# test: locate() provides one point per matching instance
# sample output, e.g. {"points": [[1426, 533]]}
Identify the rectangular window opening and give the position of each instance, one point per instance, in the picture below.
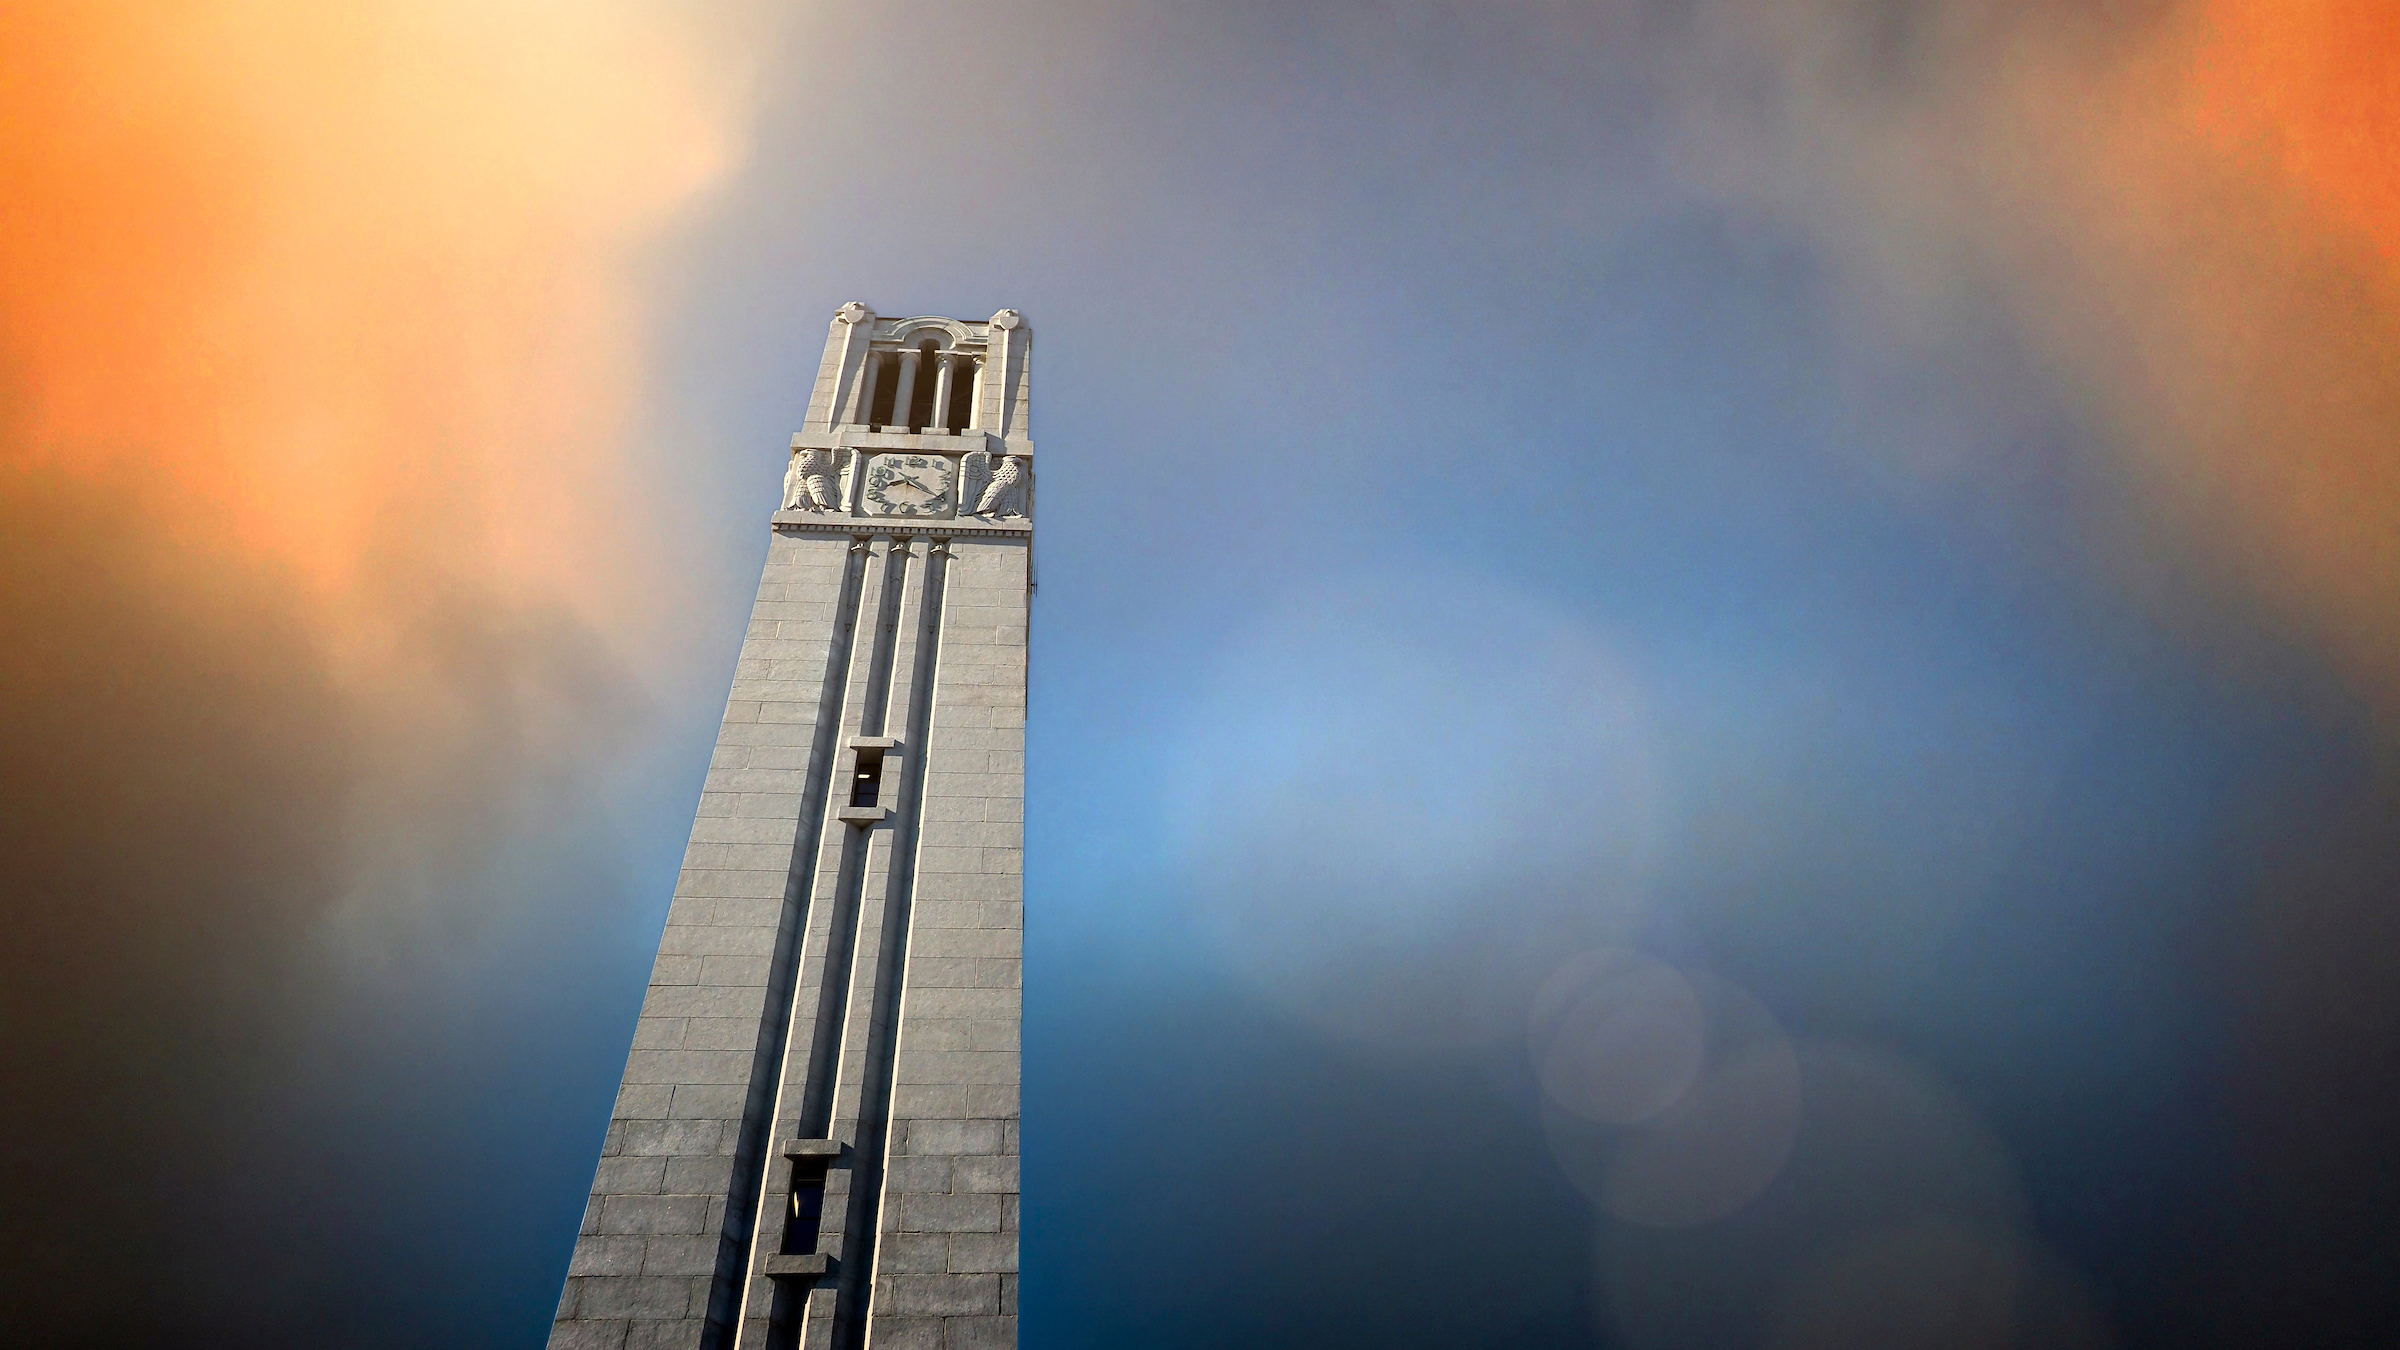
{"points": [[866, 782], [805, 1215]]}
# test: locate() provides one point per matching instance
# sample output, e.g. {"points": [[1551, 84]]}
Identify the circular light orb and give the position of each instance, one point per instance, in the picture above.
{"points": [[1619, 1037]]}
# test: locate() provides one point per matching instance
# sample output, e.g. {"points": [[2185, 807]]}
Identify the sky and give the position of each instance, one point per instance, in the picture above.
{"points": [[1708, 672]]}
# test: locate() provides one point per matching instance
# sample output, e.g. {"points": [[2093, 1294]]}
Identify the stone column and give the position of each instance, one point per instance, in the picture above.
{"points": [[863, 407], [939, 414], [904, 389]]}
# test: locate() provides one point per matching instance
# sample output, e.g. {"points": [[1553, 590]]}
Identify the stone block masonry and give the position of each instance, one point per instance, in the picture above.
{"points": [[816, 1140]]}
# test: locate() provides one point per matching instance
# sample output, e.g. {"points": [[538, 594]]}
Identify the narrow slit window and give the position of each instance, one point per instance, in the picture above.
{"points": [[866, 782], [805, 1216]]}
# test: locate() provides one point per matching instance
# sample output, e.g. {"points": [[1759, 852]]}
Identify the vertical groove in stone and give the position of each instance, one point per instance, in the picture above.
{"points": [[887, 634], [872, 1131], [831, 1023], [833, 997], [758, 1117], [819, 1025]]}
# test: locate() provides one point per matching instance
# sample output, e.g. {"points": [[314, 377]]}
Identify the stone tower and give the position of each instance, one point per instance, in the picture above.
{"points": [[816, 1140]]}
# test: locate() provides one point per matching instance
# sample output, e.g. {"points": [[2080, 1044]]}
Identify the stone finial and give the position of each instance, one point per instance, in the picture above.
{"points": [[1007, 319], [854, 312]]}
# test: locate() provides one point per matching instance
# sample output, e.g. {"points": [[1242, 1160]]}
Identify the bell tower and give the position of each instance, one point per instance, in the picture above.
{"points": [[816, 1139]]}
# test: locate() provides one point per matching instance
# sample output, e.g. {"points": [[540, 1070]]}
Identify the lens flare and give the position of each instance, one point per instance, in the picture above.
{"points": [[1712, 1102], [1879, 1143], [1617, 1037], [1934, 1285]]}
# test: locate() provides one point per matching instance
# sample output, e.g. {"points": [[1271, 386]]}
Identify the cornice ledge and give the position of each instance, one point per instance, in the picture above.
{"points": [[818, 522], [851, 436]]}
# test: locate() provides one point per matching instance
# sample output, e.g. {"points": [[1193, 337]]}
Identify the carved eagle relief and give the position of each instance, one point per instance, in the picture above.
{"points": [[993, 486], [809, 484], [1001, 496]]}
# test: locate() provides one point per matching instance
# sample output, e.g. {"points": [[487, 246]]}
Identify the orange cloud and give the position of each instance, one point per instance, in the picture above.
{"points": [[320, 344], [2193, 217], [2233, 301], [341, 276], [338, 311], [2314, 88]]}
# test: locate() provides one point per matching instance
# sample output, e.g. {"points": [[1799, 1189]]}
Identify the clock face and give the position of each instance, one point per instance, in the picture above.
{"points": [[908, 485]]}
